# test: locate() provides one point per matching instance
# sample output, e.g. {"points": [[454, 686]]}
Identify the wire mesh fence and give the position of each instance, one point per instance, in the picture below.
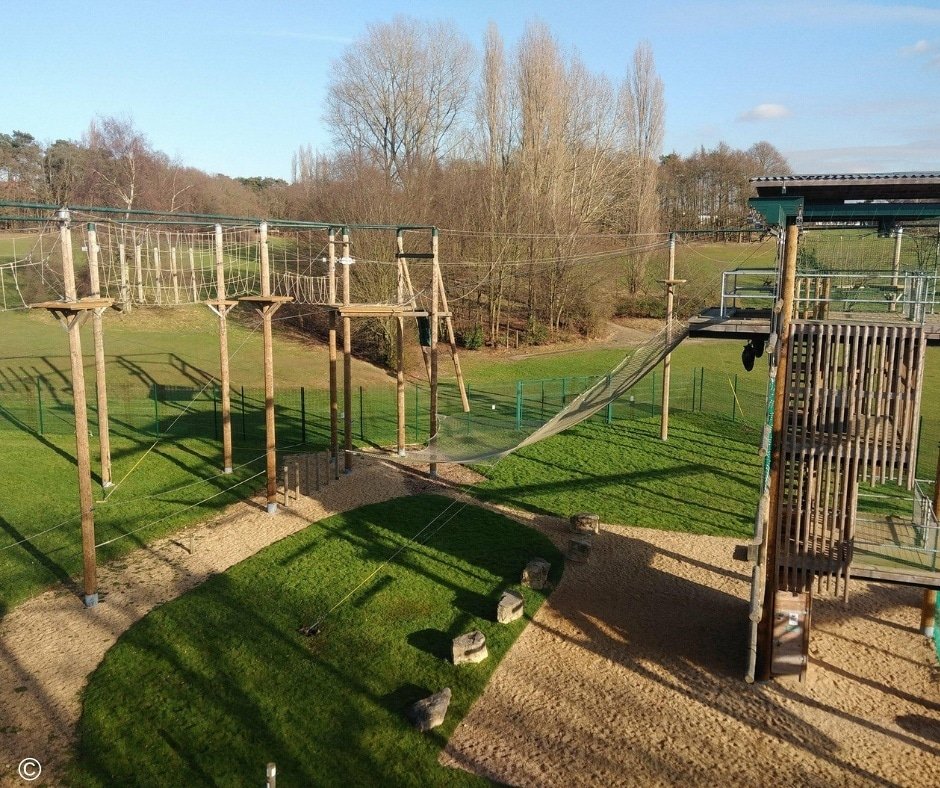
{"points": [[302, 414]]}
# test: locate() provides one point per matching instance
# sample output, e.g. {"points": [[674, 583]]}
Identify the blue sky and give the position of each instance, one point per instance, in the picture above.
{"points": [[236, 87]]}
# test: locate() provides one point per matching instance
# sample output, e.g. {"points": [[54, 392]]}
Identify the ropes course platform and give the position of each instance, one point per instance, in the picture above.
{"points": [[746, 323]]}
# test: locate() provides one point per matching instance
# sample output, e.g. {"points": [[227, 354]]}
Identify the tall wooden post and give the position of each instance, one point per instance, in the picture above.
{"points": [[435, 290], [139, 270], [928, 610], [334, 394], [400, 339], [670, 283], [101, 385], [125, 283], [771, 579], [266, 305], [347, 358], [73, 313], [222, 307]]}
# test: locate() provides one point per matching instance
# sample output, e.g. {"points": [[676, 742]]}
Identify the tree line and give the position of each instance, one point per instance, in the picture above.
{"points": [[547, 177]]}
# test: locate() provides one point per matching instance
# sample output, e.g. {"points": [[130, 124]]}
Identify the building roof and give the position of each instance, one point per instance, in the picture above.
{"points": [[852, 186]]}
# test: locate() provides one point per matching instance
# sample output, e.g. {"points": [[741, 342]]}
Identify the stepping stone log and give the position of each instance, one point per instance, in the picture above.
{"points": [[535, 574], [429, 712], [511, 606], [583, 522], [470, 648], [579, 548]]}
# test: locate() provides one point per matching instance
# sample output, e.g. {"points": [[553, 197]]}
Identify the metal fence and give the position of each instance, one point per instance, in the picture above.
{"points": [[302, 414]]}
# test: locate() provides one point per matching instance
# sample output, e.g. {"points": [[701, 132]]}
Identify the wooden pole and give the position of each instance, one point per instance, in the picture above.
{"points": [[192, 273], [928, 610], [765, 630], [223, 353], [400, 339], [435, 290], [139, 271], [125, 285], [174, 274], [101, 384], [452, 340], [347, 359], [82, 451], [334, 395], [667, 361], [267, 312], [158, 270]]}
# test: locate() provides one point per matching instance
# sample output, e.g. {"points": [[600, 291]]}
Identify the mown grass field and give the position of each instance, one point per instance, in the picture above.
{"points": [[212, 686]]}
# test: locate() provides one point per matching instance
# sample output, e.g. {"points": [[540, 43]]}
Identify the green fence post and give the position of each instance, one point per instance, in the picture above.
{"points": [[610, 405], [693, 391], [701, 389], [362, 431], [542, 407], [416, 411], [156, 409], [215, 413], [652, 392], [734, 398], [518, 404], [564, 395], [39, 404], [244, 431], [303, 416]]}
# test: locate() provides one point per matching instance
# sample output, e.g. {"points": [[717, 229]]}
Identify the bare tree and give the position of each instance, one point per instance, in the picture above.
{"points": [[396, 95]]}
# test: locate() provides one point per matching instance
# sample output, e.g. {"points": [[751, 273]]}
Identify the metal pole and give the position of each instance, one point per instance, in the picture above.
{"points": [[896, 268], [267, 312], [435, 292]]}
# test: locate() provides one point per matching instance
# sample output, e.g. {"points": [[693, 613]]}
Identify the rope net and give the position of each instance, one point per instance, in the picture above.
{"points": [[461, 440]]}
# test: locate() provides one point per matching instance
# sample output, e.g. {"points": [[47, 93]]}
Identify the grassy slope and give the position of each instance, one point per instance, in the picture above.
{"points": [[211, 687]]}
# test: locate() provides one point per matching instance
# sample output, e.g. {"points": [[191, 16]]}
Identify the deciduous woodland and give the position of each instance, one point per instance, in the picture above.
{"points": [[548, 179]]}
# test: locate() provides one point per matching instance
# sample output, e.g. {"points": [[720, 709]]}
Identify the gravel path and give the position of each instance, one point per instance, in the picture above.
{"points": [[629, 674]]}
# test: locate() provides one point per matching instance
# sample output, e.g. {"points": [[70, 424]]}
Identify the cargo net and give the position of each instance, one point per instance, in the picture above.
{"points": [[461, 440]]}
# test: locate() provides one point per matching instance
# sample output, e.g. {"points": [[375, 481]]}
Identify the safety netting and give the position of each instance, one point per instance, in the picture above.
{"points": [[459, 440]]}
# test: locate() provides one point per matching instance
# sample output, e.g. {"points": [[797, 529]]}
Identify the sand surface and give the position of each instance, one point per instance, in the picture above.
{"points": [[630, 674]]}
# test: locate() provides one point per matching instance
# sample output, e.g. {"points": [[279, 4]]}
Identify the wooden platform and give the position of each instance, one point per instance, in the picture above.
{"points": [[382, 310], [747, 323]]}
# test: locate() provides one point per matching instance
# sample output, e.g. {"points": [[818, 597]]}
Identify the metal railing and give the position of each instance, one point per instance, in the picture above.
{"points": [[907, 294]]}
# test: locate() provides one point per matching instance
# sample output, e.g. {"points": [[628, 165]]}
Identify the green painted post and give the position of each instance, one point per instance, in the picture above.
{"points": [[542, 408], [416, 412], [215, 413], [518, 404], [362, 430], [693, 391], [734, 398], [653, 393], [701, 389], [156, 409], [303, 416], [39, 405], [610, 405], [564, 395], [244, 430], [468, 412]]}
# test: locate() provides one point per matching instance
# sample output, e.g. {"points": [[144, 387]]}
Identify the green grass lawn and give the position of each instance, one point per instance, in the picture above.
{"points": [[209, 688], [704, 480]]}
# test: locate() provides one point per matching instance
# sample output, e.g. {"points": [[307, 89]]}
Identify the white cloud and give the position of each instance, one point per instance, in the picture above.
{"points": [[765, 112], [918, 48]]}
